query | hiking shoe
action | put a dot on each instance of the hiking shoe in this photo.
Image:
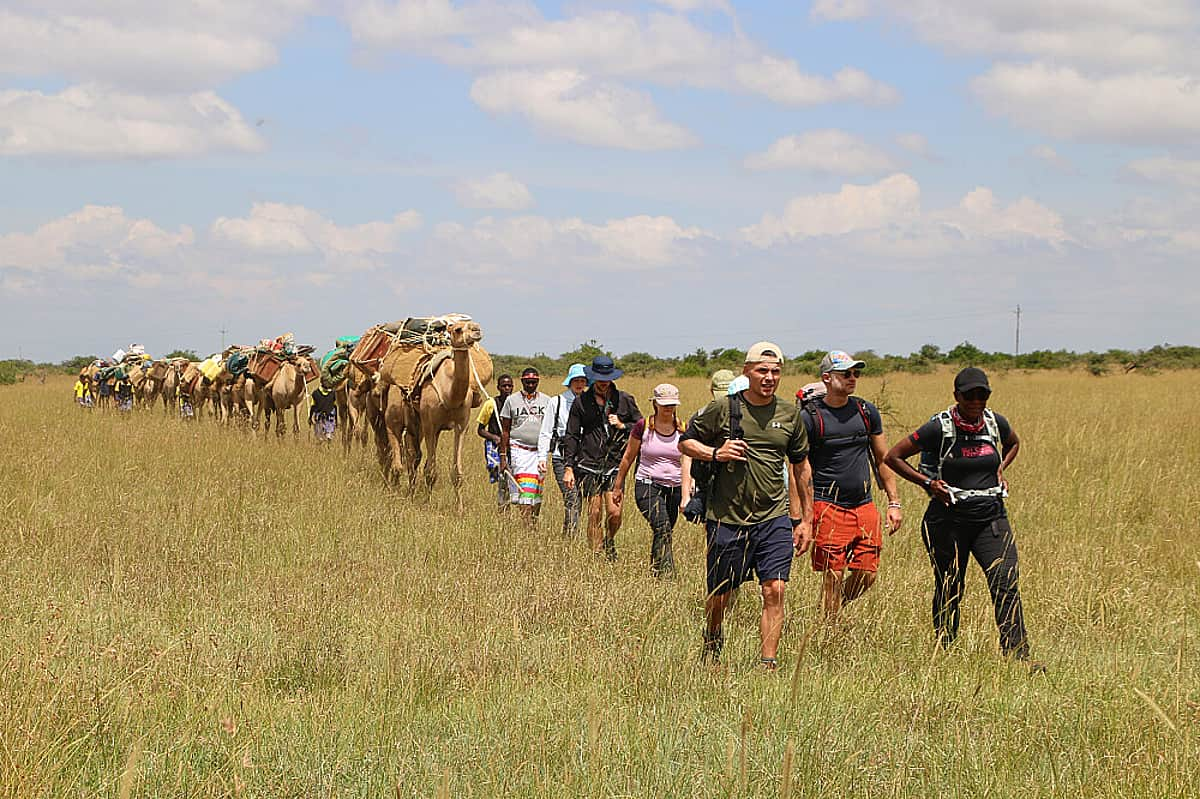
(610, 550)
(769, 665)
(713, 644)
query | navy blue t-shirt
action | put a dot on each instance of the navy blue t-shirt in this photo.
(972, 463)
(841, 468)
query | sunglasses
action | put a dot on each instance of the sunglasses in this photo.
(849, 372)
(977, 394)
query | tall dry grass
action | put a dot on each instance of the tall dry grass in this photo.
(189, 611)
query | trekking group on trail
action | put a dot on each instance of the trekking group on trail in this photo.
(770, 480)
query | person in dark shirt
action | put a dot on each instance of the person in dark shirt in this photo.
(971, 448)
(845, 436)
(597, 430)
(124, 392)
(322, 413)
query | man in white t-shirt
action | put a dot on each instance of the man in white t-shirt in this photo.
(520, 423)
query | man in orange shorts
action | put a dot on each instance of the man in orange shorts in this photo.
(847, 446)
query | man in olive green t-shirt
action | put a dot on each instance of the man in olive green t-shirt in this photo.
(755, 521)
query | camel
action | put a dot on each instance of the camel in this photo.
(355, 407)
(286, 390)
(152, 389)
(170, 384)
(443, 403)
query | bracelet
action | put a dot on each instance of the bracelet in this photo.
(895, 505)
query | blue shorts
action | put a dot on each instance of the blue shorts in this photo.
(734, 553)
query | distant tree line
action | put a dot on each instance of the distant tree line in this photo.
(702, 363)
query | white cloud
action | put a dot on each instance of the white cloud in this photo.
(1052, 158)
(840, 9)
(94, 122)
(276, 229)
(894, 199)
(144, 44)
(1166, 169)
(1113, 70)
(1061, 101)
(500, 190)
(1104, 35)
(834, 152)
(916, 144)
(92, 242)
(658, 48)
(631, 243)
(781, 80)
(568, 104)
(978, 215)
(886, 218)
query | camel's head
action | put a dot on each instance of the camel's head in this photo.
(464, 333)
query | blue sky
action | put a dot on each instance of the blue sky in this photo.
(657, 176)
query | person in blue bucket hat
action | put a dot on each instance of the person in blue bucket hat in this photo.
(554, 429)
(597, 430)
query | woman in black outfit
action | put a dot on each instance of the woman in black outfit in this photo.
(964, 452)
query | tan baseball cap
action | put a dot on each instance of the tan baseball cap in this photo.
(764, 351)
(666, 394)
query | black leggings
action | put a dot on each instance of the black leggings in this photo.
(950, 543)
(660, 505)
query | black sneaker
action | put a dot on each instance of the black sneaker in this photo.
(713, 644)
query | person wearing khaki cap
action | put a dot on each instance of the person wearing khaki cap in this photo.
(720, 382)
(659, 489)
(755, 520)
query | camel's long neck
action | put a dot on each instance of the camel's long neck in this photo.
(462, 378)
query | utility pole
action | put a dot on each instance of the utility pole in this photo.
(223, 332)
(1018, 345)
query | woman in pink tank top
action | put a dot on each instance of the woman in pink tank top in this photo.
(658, 481)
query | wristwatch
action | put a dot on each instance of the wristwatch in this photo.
(928, 484)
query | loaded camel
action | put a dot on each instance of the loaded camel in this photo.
(443, 402)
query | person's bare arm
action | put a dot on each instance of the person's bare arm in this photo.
(895, 516)
(896, 459)
(632, 448)
(800, 504)
(685, 480)
(1011, 448)
(731, 450)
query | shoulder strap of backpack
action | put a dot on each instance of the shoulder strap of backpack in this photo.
(735, 416)
(949, 436)
(862, 411)
(993, 428)
(818, 418)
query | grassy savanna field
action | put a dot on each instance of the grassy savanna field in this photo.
(190, 611)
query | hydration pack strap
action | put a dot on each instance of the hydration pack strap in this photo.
(959, 494)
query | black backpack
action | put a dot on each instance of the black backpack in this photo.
(813, 408)
(704, 472)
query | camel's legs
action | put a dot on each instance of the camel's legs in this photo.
(430, 440)
(456, 465)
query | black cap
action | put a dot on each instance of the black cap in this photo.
(529, 371)
(969, 378)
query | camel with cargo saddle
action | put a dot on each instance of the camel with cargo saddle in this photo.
(432, 373)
